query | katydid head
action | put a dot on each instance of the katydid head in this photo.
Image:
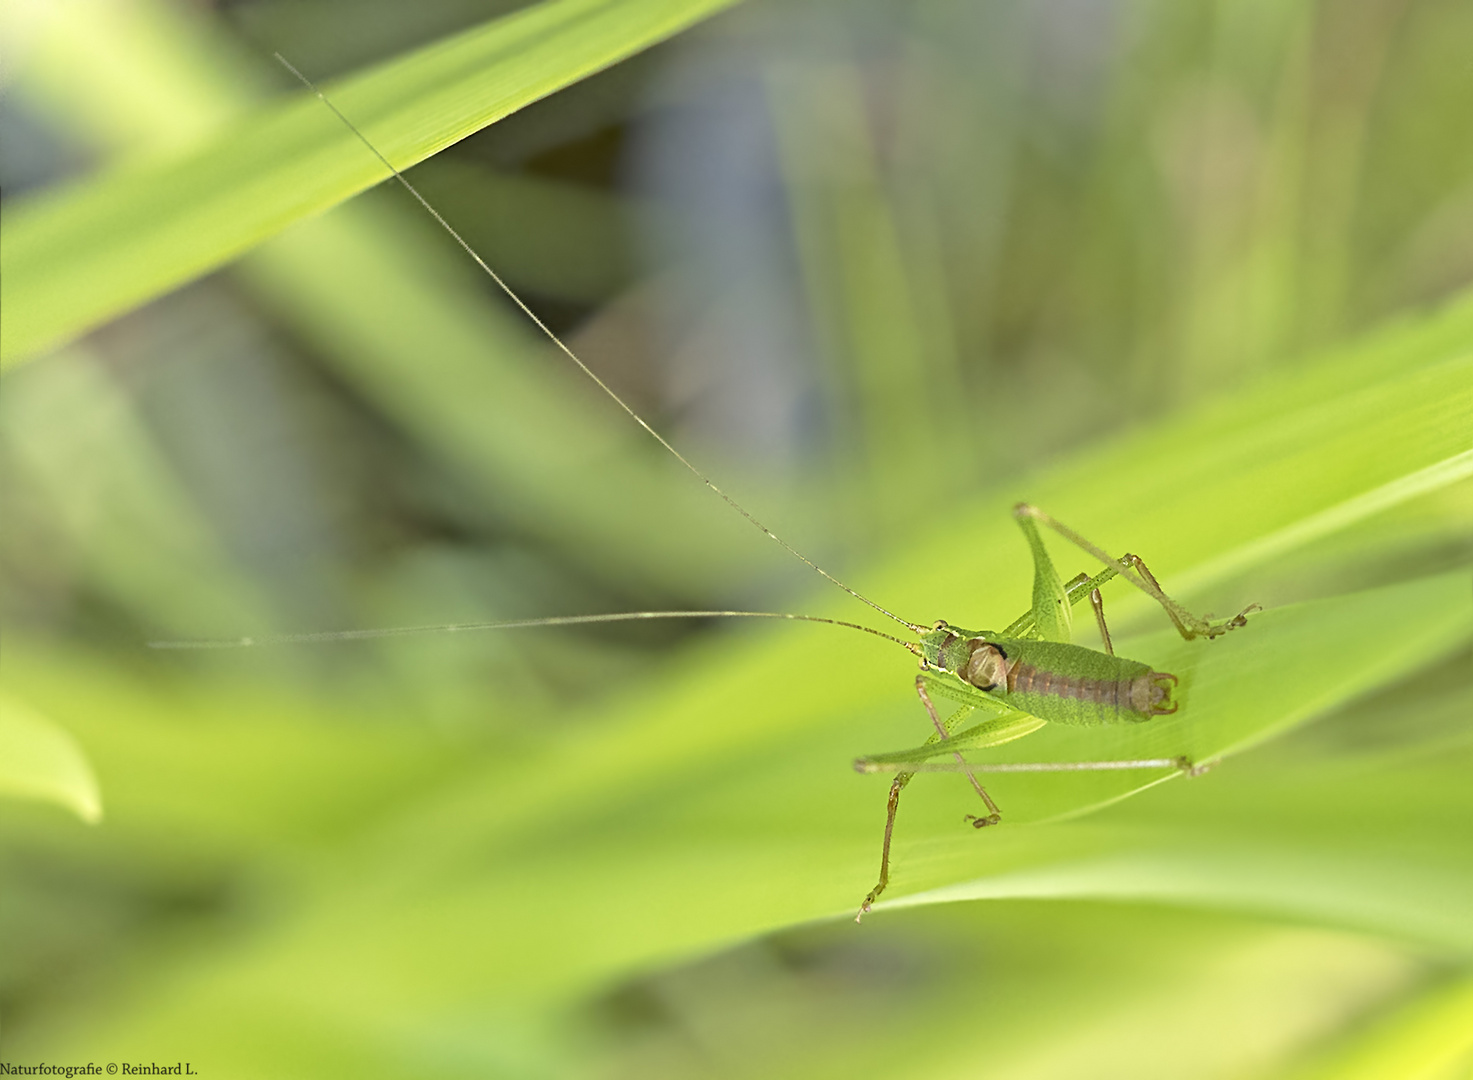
(971, 655)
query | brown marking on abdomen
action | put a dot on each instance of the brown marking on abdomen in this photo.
(1143, 695)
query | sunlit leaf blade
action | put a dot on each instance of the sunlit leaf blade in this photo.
(1301, 454)
(39, 760)
(779, 839)
(1368, 846)
(75, 258)
(1157, 988)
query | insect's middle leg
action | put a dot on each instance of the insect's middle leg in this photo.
(993, 814)
(1098, 603)
(1079, 584)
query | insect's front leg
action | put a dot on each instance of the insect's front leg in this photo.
(943, 731)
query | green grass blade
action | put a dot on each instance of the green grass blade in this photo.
(74, 259)
(403, 317)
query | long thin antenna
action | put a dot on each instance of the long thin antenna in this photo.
(522, 624)
(517, 300)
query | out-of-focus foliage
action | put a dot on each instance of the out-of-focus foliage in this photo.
(1190, 275)
(40, 761)
(110, 244)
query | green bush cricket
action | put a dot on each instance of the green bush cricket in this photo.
(1019, 679)
(1030, 674)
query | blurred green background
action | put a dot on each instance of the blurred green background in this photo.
(1191, 275)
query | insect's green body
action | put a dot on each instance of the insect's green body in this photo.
(1030, 675)
(1052, 680)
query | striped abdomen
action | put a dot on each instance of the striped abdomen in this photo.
(1070, 684)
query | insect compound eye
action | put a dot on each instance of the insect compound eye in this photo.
(988, 665)
(939, 624)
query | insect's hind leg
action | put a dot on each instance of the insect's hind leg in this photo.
(1075, 590)
(1134, 570)
(1187, 624)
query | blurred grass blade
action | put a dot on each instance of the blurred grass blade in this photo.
(403, 317)
(1331, 520)
(71, 431)
(76, 258)
(39, 760)
(1429, 1038)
